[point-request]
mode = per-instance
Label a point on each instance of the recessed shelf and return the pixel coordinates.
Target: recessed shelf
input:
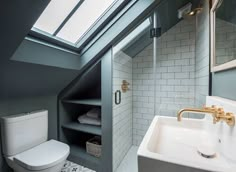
(94, 102)
(79, 155)
(91, 129)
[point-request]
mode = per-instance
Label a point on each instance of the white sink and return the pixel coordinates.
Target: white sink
(172, 146)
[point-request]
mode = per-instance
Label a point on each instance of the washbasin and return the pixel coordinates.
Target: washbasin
(192, 145)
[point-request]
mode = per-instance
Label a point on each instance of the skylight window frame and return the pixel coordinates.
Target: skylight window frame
(95, 28)
(96, 21)
(100, 23)
(68, 17)
(44, 36)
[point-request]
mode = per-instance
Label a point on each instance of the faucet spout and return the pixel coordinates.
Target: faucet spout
(218, 114)
(195, 110)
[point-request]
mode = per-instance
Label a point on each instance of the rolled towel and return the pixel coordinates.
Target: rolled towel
(94, 113)
(84, 119)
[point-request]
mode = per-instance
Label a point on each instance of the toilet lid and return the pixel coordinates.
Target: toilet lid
(43, 156)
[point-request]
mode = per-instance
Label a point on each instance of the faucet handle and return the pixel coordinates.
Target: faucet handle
(230, 119)
(220, 111)
(213, 107)
(216, 108)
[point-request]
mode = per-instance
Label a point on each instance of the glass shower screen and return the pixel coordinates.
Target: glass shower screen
(133, 89)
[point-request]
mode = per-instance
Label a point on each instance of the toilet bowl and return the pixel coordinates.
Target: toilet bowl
(25, 145)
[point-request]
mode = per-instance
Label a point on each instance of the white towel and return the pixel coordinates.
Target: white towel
(84, 119)
(94, 113)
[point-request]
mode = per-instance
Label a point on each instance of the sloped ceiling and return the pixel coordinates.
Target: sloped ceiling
(29, 80)
(17, 18)
(168, 16)
(19, 79)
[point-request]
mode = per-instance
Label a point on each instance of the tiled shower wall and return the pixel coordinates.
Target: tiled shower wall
(122, 113)
(181, 80)
(202, 55)
(175, 77)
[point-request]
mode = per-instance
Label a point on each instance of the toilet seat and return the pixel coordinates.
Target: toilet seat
(43, 156)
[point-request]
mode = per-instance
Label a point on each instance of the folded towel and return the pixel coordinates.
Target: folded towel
(84, 119)
(94, 113)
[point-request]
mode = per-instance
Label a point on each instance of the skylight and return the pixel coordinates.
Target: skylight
(54, 15)
(70, 20)
(83, 18)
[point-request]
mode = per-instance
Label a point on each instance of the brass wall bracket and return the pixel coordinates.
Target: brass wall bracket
(124, 86)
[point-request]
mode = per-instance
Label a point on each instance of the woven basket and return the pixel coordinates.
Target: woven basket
(94, 147)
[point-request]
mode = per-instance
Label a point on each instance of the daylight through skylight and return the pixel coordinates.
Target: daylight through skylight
(70, 20)
(83, 18)
(54, 14)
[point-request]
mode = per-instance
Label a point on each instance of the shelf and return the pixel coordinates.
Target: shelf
(91, 129)
(94, 102)
(79, 155)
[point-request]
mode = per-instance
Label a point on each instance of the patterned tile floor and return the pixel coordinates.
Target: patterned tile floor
(72, 167)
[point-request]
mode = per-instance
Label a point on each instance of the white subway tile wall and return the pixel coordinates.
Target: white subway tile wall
(122, 113)
(202, 56)
(181, 80)
(175, 77)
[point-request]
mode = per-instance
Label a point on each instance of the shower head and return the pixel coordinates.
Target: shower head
(184, 10)
(189, 10)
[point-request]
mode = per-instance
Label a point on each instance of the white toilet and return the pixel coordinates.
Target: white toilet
(25, 145)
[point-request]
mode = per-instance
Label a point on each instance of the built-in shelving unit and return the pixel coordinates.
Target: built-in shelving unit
(80, 154)
(91, 129)
(83, 94)
(93, 102)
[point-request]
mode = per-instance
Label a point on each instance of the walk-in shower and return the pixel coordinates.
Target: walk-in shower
(163, 62)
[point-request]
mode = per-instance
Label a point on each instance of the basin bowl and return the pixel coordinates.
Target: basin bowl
(172, 146)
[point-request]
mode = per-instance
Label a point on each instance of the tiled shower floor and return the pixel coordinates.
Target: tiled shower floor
(129, 163)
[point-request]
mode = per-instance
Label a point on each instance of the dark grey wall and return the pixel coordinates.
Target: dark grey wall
(224, 84)
(28, 104)
(17, 18)
(227, 12)
(16, 106)
(21, 80)
(25, 86)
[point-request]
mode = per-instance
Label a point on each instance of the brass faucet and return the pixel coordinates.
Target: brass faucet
(218, 114)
